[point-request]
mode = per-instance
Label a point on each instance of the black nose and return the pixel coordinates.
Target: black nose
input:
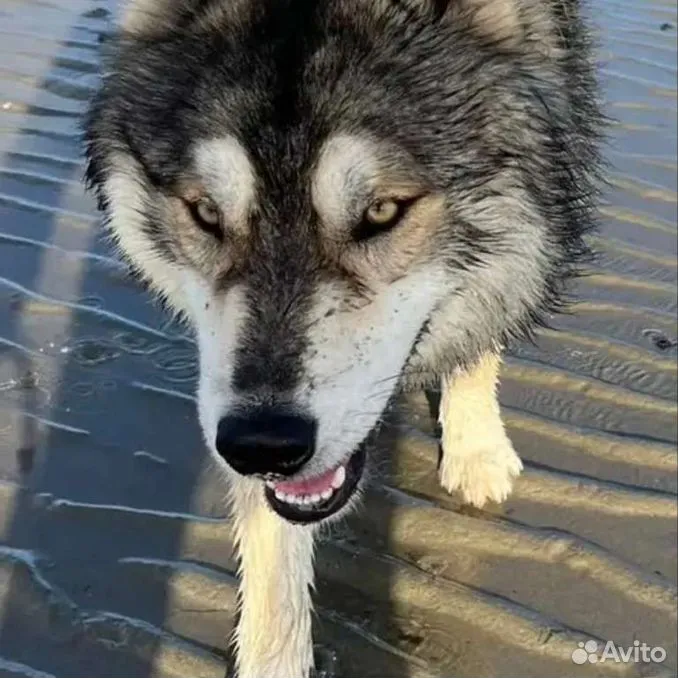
(266, 443)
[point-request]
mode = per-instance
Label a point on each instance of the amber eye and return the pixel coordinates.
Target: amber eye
(206, 214)
(382, 212)
(380, 216)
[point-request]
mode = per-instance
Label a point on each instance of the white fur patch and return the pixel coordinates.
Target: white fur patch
(228, 176)
(218, 320)
(127, 196)
(347, 166)
(354, 359)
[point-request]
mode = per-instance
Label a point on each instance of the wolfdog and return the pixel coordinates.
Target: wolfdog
(344, 198)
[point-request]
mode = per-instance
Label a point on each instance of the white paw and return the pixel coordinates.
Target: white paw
(481, 469)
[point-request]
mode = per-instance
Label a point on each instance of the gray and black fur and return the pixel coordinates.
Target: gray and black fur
(284, 73)
(286, 114)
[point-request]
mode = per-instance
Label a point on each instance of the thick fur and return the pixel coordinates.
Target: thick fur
(292, 116)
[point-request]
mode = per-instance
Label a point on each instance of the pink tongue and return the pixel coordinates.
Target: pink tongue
(315, 485)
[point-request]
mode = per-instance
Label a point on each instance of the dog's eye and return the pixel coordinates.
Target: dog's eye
(206, 214)
(382, 212)
(380, 216)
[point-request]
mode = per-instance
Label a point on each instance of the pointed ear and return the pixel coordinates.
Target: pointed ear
(148, 18)
(158, 18)
(499, 21)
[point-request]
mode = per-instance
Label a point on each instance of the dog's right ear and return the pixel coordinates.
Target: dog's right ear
(161, 18)
(151, 18)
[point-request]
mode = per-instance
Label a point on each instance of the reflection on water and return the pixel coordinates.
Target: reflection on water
(115, 558)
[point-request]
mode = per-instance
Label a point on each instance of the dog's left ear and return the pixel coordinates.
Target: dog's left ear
(500, 21)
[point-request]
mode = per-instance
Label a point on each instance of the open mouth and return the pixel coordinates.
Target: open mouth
(313, 499)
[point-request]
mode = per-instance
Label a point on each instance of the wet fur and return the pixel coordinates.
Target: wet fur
(291, 111)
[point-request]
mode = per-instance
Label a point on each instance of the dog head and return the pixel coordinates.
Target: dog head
(336, 195)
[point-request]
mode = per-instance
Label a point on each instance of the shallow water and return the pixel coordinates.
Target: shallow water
(113, 561)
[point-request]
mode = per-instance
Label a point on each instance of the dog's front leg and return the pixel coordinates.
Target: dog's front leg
(273, 636)
(478, 457)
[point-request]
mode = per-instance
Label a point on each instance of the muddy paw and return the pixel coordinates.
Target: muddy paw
(481, 472)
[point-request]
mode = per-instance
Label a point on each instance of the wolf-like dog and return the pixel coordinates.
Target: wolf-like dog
(344, 198)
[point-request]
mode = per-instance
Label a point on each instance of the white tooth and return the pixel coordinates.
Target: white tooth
(326, 494)
(279, 495)
(271, 484)
(308, 499)
(339, 478)
(298, 499)
(315, 498)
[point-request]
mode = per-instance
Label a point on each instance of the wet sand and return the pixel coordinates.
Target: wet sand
(115, 560)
